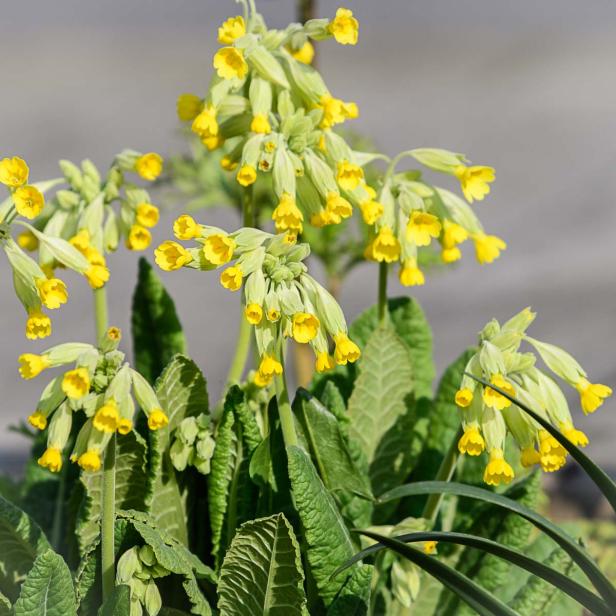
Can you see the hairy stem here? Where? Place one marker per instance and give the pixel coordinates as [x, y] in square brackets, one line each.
[287, 423]
[382, 306]
[100, 313]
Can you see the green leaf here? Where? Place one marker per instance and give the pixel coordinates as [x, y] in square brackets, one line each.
[354, 597]
[157, 333]
[262, 571]
[48, 589]
[332, 399]
[6, 609]
[118, 603]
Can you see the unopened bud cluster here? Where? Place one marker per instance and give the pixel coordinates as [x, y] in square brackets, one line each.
[193, 444]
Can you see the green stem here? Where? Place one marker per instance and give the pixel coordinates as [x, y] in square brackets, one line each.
[108, 520]
[56, 529]
[382, 311]
[287, 423]
[100, 313]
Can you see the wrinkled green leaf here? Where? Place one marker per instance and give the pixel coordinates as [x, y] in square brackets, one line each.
[118, 603]
[354, 597]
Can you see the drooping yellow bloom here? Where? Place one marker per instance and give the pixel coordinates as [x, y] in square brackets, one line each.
[464, 397]
[51, 459]
[229, 63]
[488, 247]
[422, 227]
[97, 275]
[577, 437]
[371, 211]
[106, 417]
[212, 143]
[273, 315]
[269, 367]
[385, 246]
[305, 54]
[260, 124]
[333, 111]
[231, 278]
[188, 107]
[81, 241]
[38, 325]
[114, 333]
[350, 110]
[453, 234]
[231, 29]
[139, 238]
[349, 175]
[147, 215]
[29, 201]
[37, 420]
[76, 383]
[186, 228]
[27, 240]
[287, 215]
[346, 350]
[124, 426]
[429, 547]
[157, 419]
[553, 454]
[228, 164]
[338, 207]
[52, 292]
[90, 461]
[149, 166]
[471, 442]
[218, 249]
[529, 456]
[475, 181]
[451, 255]
[344, 27]
[247, 175]
[324, 362]
[13, 171]
[592, 395]
[410, 275]
[205, 124]
[171, 256]
[495, 400]
[253, 314]
[261, 381]
[31, 365]
[324, 218]
[305, 327]
[498, 470]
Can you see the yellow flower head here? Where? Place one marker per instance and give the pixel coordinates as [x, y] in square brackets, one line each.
[218, 249]
[488, 247]
[139, 238]
[464, 397]
[171, 256]
[31, 365]
[577, 437]
[247, 175]
[90, 461]
[324, 362]
[305, 54]
[422, 227]
[475, 181]
[188, 107]
[38, 325]
[261, 381]
[429, 547]
[231, 29]
[186, 228]
[27, 240]
[410, 275]
[385, 246]
[371, 211]
[338, 207]
[231, 278]
[52, 292]
[273, 315]
[498, 470]
[453, 234]
[305, 327]
[260, 124]
[114, 333]
[81, 240]
[205, 124]
[147, 215]
[333, 111]
[13, 172]
[553, 455]
[29, 201]
[451, 255]
[495, 400]
[124, 426]
[157, 419]
[529, 456]
[324, 218]
[229, 63]
[51, 459]
[344, 27]
[149, 166]
[37, 420]
[228, 164]
[350, 110]
[269, 367]
[76, 383]
[592, 395]
[346, 350]
[471, 442]
[349, 175]
[287, 215]
[97, 275]
[212, 143]
[107, 417]
[253, 314]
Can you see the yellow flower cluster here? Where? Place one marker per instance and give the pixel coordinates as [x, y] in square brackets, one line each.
[487, 415]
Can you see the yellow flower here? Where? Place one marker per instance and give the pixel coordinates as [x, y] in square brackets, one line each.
[529, 456]
[495, 400]
[305, 54]
[229, 63]
[13, 171]
[231, 29]
[349, 175]
[231, 278]
[338, 207]
[344, 27]
[114, 333]
[453, 234]
[139, 238]
[287, 215]
[157, 419]
[324, 362]
[149, 166]
[171, 256]
[51, 459]
[260, 124]
[422, 227]
[371, 211]
[188, 107]
[31, 365]
[346, 350]
[305, 327]
[385, 246]
[273, 315]
[76, 383]
[350, 110]
[488, 247]
[38, 325]
[464, 397]
[147, 215]
[410, 275]
[450, 255]
[577, 437]
[107, 417]
[247, 175]
[212, 143]
[253, 314]
[97, 275]
[261, 381]
[228, 164]
[471, 442]
[90, 461]
[553, 454]
[205, 124]
[186, 228]
[52, 292]
[429, 547]
[475, 181]
[28, 201]
[37, 420]
[81, 240]
[27, 240]
[592, 395]
[323, 218]
[333, 111]
[124, 426]
[218, 249]
[498, 470]
[269, 367]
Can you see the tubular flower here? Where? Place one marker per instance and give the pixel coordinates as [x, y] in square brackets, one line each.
[13, 172]
[124, 426]
[188, 107]
[529, 456]
[149, 166]
[51, 459]
[28, 201]
[464, 397]
[139, 238]
[269, 367]
[205, 124]
[157, 419]
[230, 64]
[488, 247]
[471, 442]
[218, 249]
[31, 365]
[171, 256]
[346, 350]
[52, 292]
[185, 228]
[349, 175]
[305, 327]
[76, 383]
[260, 124]
[90, 461]
[247, 175]
[147, 215]
[287, 215]
[338, 207]
[422, 227]
[429, 547]
[410, 275]
[38, 325]
[305, 54]
[107, 417]
[475, 181]
[498, 470]
[97, 275]
[385, 246]
[344, 27]
[231, 278]
[253, 314]
[37, 420]
[577, 437]
[553, 455]
[324, 362]
[371, 211]
[494, 399]
[231, 29]
[333, 111]
[592, 395]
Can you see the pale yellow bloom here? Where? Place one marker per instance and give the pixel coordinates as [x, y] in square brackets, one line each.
[253, 313]
[346, 350]
[494, 399]
[324, 362]
[385, 246]
[38, 325]
[371, 211]
[231, 278]
[171, 256]
[124, 426]
[592, 395]
[231, 29]
[488, 247]
[247, 175]
[188, 107]
[106, 417]
[475, 181]
[422, 227]
[29, 201]
[139, 238]
[37, 420]
[229, 63]
[498, 470]
[305, 54]
[471, 442]
[287, 215]
[76, 383]
[52, 292]
[186, 228]
[344, 27]
[149, 166]
[260, 124]
[157, 419]
[147, 215]
[349, 175]
[51, 459]
[305, 327]
[410, 275]
[464, 397]
[13, 172]
[31, 365]
[218, 249]
[90, 461]
[338, 207]
[27, 240]
[205, 123]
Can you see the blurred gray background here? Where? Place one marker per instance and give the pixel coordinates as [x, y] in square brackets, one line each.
[528, 87]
